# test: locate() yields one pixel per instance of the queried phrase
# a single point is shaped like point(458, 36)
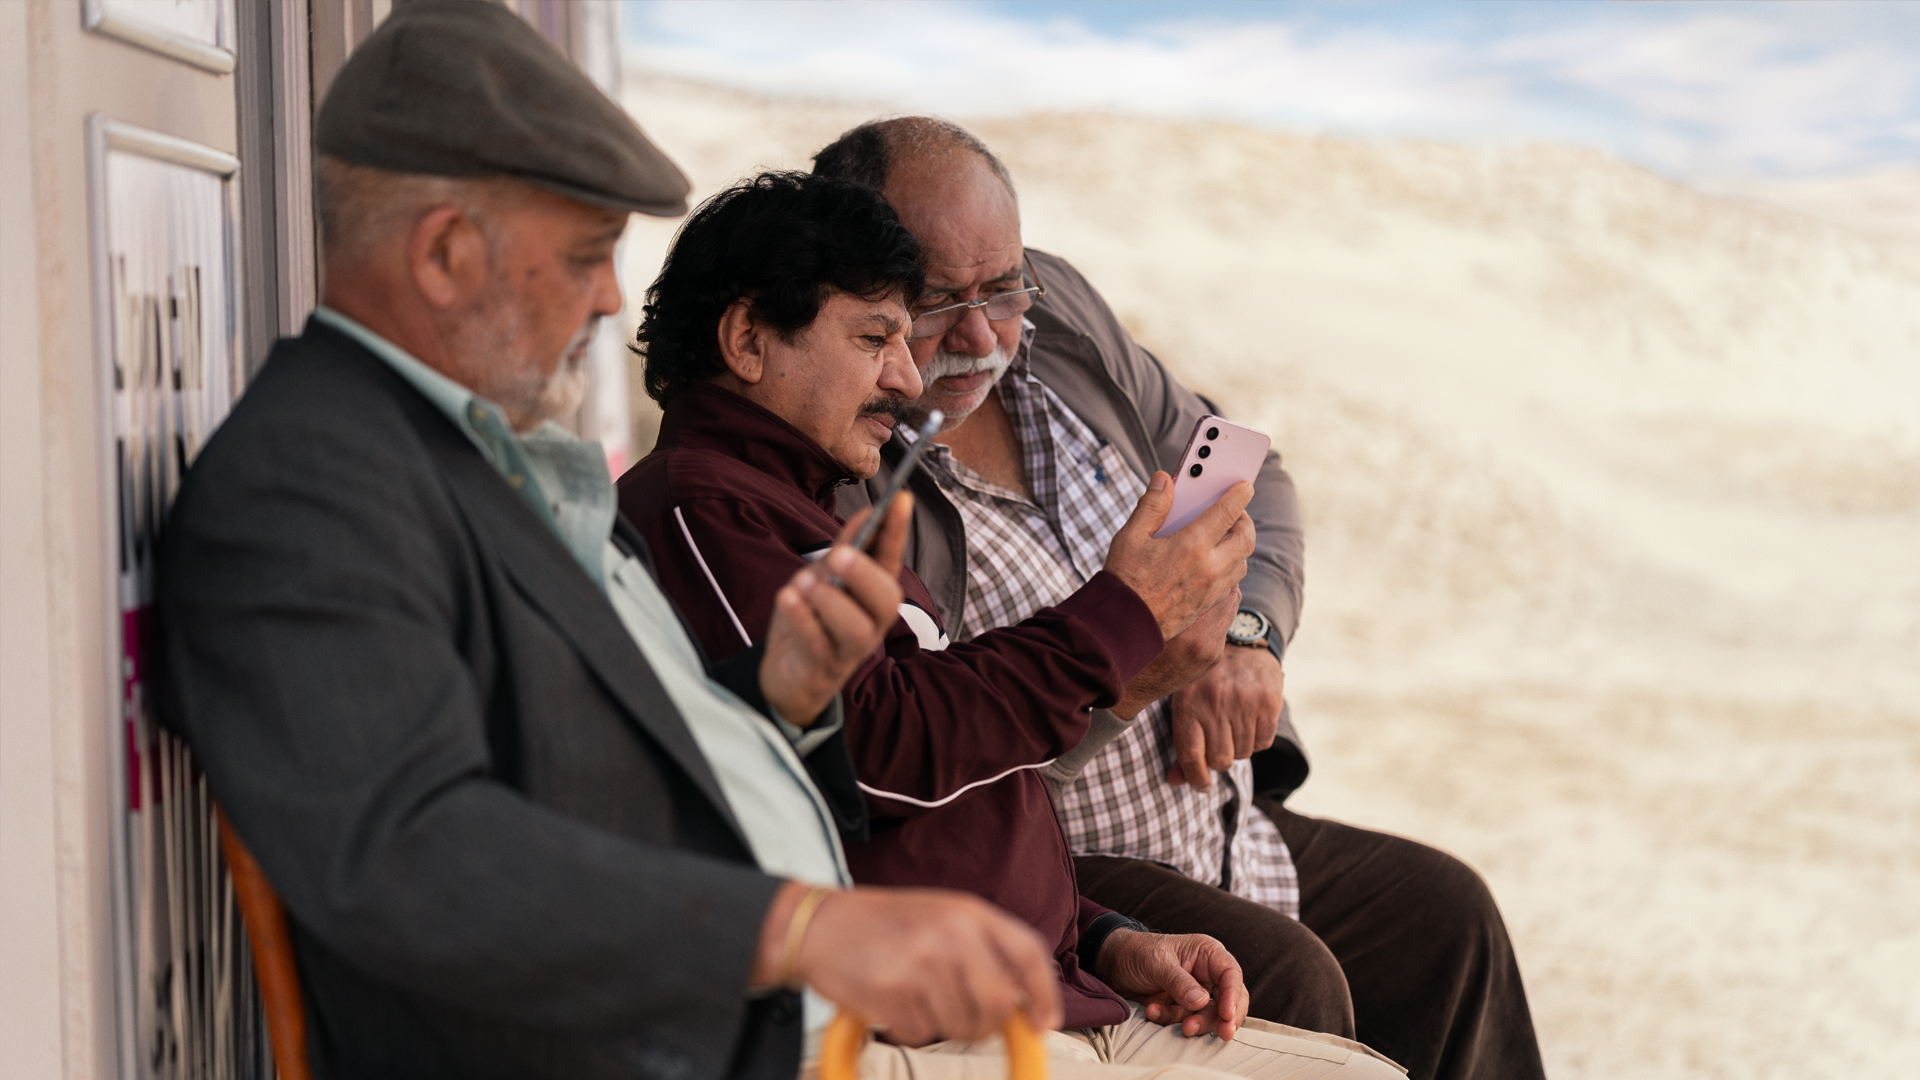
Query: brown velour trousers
point(1399, 945)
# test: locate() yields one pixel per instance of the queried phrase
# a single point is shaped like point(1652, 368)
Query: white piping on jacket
point(937, 803)
point(933, 804)
point(702, 560)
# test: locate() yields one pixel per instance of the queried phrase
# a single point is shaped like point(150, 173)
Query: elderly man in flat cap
point(520, 827)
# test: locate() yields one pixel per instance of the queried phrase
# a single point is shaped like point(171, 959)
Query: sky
point(1703, 90)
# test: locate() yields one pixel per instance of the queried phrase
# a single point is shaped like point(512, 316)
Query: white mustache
point(946, 364)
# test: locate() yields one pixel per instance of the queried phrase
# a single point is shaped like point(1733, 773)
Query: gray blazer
point(501, 850)
point(1128, 398)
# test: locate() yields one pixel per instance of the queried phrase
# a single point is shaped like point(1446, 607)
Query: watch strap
point(1095, 937)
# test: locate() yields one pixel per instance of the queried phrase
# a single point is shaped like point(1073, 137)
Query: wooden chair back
point(273, 962)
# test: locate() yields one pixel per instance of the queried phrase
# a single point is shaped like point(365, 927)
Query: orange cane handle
point(847, 1035)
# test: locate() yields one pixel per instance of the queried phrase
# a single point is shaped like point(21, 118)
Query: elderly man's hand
point(1186, 979)
point(822, 632)
point(925, 964)
point(1182, 576)
point(1192, 655)
point(1226, 715)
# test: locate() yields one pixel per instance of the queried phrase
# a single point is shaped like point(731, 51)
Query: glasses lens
point(937, 322)
point(1008, 304)
point(1000, 306)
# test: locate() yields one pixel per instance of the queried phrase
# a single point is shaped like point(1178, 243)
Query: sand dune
point(1613, 502)
point(1883, 204)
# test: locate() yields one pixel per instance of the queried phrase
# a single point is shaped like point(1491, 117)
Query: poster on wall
point(199, 32)
point(166, 311)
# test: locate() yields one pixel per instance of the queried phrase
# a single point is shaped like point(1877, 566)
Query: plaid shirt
point(1024, 555)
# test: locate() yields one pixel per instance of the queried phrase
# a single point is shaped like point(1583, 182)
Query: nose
point(971, 336)
point(899, 373)
point(606, 290)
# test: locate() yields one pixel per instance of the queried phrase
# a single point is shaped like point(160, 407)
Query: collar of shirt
point(562, 477)
point(1024, 350)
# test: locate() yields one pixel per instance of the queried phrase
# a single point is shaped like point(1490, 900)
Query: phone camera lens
point(1195, 471)
point(1206, 451)
point(1213, 433)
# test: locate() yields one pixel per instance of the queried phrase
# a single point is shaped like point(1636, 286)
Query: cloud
point(1698, 89)
point(1732, 91)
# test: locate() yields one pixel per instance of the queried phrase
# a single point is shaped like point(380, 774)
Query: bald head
point(947, 187)
point(869, 153)
point(957, 200)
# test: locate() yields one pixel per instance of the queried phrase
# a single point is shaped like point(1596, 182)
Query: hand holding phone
point(1219, 454)
point(870, 528)
point(908, 462)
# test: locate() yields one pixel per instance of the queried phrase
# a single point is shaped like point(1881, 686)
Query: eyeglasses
point(1003, 305)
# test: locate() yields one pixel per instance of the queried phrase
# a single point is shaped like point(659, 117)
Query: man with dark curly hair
point(776, 342)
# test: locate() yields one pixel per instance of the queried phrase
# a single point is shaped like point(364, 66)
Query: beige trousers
point(1139, 1049)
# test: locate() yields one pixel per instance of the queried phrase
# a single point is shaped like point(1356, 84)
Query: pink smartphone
point(1219, 455)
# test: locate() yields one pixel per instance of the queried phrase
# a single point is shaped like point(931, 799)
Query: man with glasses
point(776, 341)
point(1055, 420)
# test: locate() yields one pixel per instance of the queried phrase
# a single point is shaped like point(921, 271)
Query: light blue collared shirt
point(564, 480)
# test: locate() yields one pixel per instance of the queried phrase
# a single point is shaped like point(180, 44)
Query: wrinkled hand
point(1185, 574)
point(1190, 656)
point(925, 964)
point(820, 634)
point(1186, 979)
point(1226, 714)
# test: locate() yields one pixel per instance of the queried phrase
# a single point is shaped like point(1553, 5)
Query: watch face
point(1247, 626)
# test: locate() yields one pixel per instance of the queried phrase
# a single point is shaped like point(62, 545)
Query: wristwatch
point(1249, 629)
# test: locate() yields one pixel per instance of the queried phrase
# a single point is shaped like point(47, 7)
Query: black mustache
point(886, 406)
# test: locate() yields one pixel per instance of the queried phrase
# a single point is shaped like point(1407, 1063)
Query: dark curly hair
point(784, 240)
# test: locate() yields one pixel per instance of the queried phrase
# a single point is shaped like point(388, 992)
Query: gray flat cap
point(467, 88)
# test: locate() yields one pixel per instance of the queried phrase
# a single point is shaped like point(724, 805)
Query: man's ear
point(743, 342)
point(446, 256)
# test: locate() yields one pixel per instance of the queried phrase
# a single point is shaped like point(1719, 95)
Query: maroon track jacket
point(945, 741)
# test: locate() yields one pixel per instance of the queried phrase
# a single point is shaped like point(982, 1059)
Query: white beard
point(564, 390)
point(949, 364)
point(517, 384)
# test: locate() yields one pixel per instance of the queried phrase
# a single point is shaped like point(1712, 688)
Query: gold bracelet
point(796, 931)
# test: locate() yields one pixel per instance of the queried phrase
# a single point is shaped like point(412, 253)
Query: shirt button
point(518, 480)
